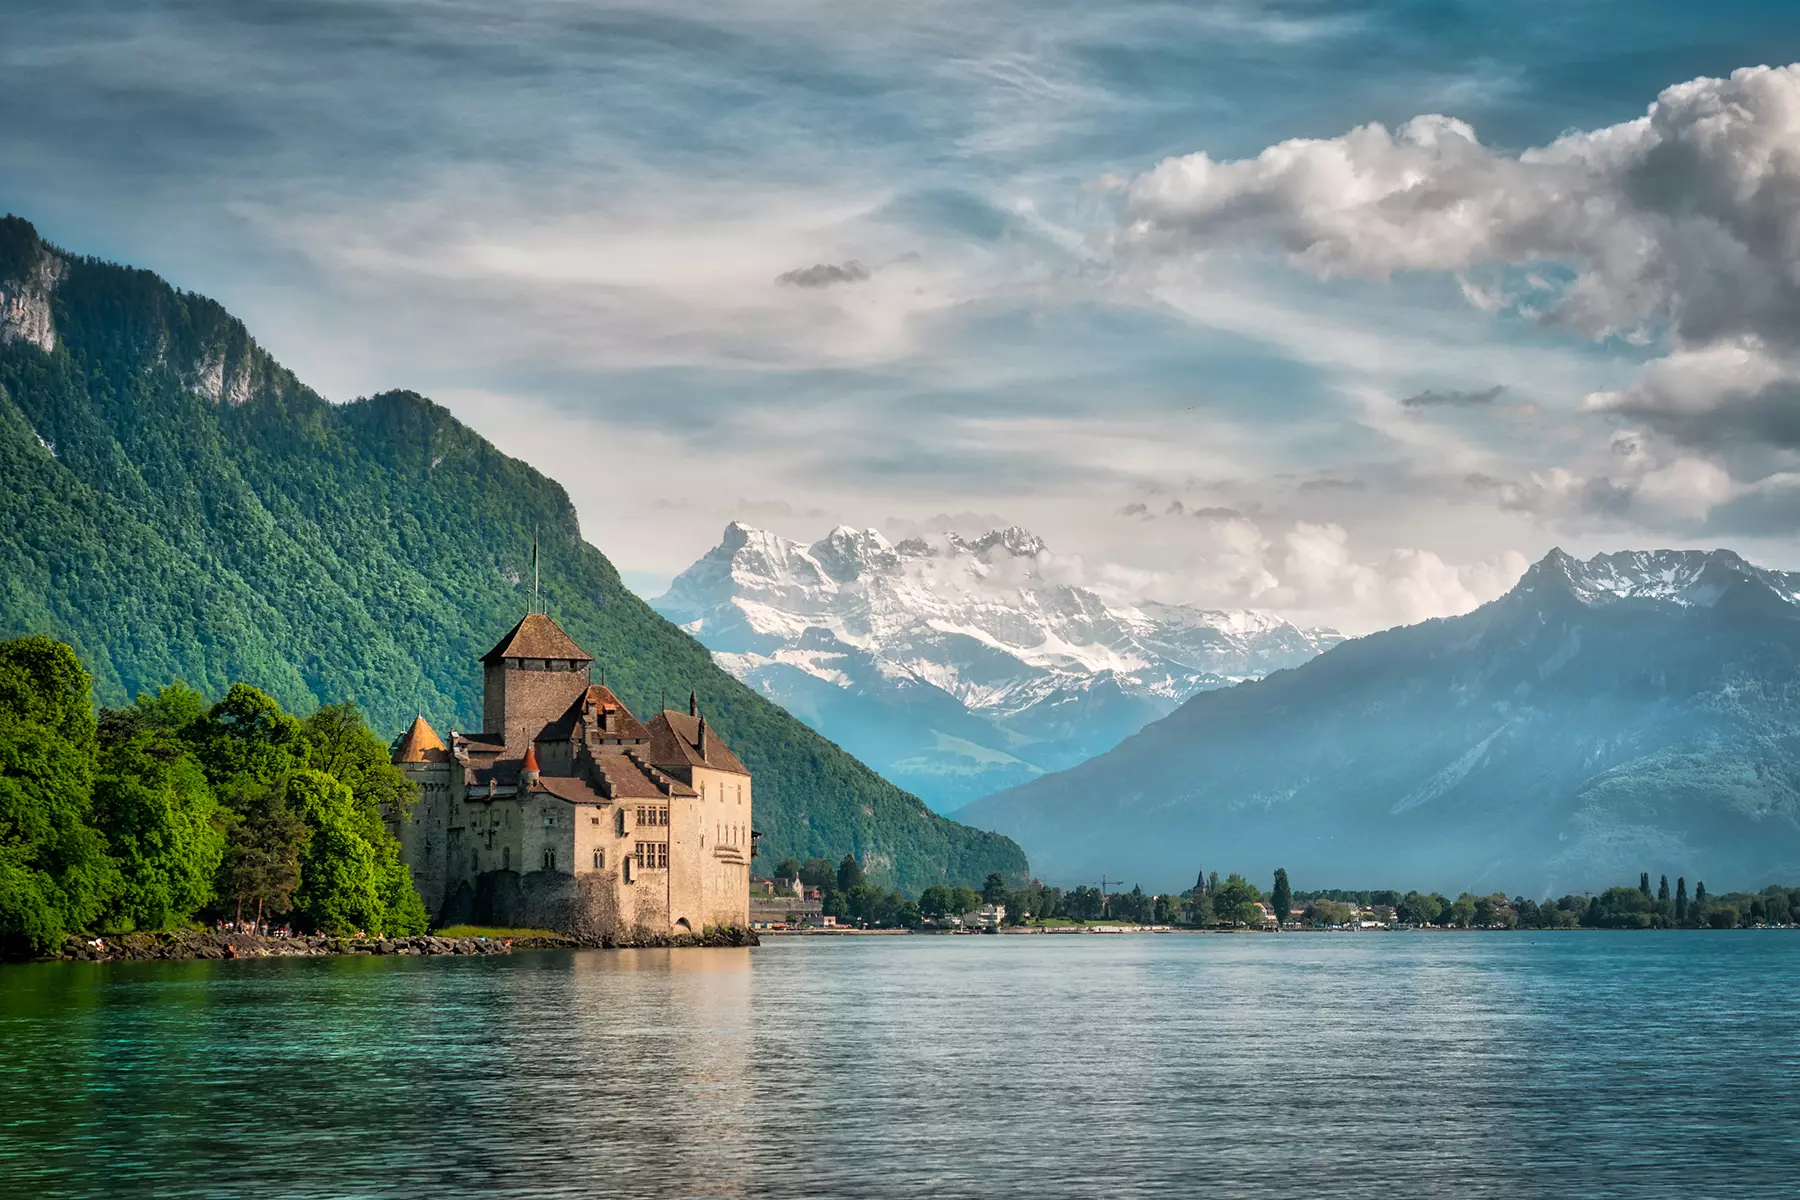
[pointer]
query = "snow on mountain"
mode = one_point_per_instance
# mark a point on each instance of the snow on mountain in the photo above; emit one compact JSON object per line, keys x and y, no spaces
{"x":959,"y":665}
{"x":1634,"y":711}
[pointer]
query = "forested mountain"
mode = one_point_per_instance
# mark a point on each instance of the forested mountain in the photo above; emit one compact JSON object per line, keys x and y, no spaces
{"x":1635,"y":711}
{"x":957,"y":666}
{"x":179,"y":506}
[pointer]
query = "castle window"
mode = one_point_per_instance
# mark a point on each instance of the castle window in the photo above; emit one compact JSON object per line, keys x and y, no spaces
{"x":599,"y":860}
{"x":549,"y":860}
{"x":596,"y":820}
{"x":653,"y":856}
{"x":549,"y":819}
{"x":619,"y":820}
{"x":506,"y":858}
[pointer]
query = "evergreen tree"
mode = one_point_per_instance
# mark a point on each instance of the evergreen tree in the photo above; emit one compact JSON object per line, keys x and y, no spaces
{"x":1644,"y":882}
{"x":1281,"y":896}
{"x":1699,"y":907}
{"x":1681,"y":900}
{"x":993,"y":890}
{"x":850,"y":874}
{"x":1662,"y":889}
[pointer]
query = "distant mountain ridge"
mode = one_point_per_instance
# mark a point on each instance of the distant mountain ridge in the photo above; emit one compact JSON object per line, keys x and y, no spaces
{"x":955,"y":665}
{"x":1634,"y":711}
{"x":179,"y":506}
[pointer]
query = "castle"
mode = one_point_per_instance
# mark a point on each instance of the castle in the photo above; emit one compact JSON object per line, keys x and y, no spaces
{"x":569,"y":812}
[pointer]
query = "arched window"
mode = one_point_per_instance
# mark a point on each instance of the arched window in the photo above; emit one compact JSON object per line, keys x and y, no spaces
{"x":599,"y":860}
{"x":549,"y":860}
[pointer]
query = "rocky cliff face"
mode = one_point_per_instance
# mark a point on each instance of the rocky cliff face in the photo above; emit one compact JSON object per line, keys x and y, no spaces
{"x":1636,"y":711}
{"x":958,"y":665}
{"x":25,"y":298}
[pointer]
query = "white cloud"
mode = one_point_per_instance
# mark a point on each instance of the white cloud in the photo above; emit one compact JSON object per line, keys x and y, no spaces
{"x":1680,"y":229}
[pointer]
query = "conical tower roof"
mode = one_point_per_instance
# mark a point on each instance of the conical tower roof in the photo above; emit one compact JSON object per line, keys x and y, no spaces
{"x":421,"y":744}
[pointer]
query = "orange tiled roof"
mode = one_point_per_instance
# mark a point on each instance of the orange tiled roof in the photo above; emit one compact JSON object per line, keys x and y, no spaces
{"x":421,"y":744}
{"x":536,"y":636}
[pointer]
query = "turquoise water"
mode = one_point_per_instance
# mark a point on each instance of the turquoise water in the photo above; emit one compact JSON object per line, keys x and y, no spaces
{"x":1575,"y":1064}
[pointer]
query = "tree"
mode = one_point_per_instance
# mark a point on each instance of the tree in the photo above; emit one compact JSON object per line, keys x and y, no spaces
{"x":1281,"y":896}
{"x":1681,"y":900}
{"x":1662,"y":889}
{"x":153,"y":803}
{"x":1235,"y":900}
{"x":1644,"y":883}
{"x":964,"y":900}
{"x":1462,"y":912}
{"x":1327,"y":912}
{"x":850,"y":874}
{"x":55,"y":874}
{"x":934,"y":902}
{"x":787,"y":868}
{"x":993,"y":889}
{"x":337,"y":742}
{"x":340,"y":886}
{"x":818,"y":873}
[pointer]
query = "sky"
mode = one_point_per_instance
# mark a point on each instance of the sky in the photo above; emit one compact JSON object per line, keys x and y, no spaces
{"x":1342,"y":311}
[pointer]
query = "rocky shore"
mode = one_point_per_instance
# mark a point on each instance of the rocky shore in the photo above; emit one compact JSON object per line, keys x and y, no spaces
{"x":211,"y":944}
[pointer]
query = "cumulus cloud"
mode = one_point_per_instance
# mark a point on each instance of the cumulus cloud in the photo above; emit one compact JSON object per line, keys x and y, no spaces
{"x":1450,"y":398}
{"x":1678,"y":231}
{"x":824,"y":275}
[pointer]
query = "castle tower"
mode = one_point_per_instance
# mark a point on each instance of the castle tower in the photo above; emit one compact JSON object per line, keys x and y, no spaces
{"x":423,"y":758}
{"x":531,"y":678}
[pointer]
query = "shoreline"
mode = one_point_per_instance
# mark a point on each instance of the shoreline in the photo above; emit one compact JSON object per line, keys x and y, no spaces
{"x":188,"y":945}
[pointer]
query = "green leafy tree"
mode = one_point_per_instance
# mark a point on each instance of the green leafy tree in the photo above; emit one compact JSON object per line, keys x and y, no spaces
{"x":964,"y":900}
{"x":1327,"y":912}
{"x":1644,"y":883}
{"x":1234,"y":901}
{"x":153,"y":803}
{"x":1681,"y":901}
{"x":340,"y":880}
{"x":1281,"y":896}
{"x":55,"y":873}
{"x":1662,"y":889}
{"x":818,"y":873}
{"x":934,"y":902}
{"x":787,"y":868}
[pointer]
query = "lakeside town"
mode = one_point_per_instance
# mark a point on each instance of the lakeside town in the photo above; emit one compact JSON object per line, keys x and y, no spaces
{"x":816,"y":898}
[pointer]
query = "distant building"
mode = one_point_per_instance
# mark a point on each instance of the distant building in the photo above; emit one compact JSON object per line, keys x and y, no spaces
{"x":988,"y":916}
{"x":569,"y":812}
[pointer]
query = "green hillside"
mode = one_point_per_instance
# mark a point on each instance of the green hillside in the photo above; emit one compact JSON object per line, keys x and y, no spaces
{"x":179,"y":506}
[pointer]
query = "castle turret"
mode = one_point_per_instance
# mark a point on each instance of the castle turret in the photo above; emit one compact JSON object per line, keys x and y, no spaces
{"x":424,"y":835}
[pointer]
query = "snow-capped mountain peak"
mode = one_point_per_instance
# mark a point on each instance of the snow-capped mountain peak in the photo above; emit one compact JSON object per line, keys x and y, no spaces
{"x":1691,"y":578}
{"x":1032,"y":672}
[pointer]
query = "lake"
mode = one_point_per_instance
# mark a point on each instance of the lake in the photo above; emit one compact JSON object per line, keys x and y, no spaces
{"x":1407,"y":1064}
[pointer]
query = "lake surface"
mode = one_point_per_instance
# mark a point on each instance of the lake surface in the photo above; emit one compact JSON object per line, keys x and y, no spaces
{"x":1467,"y":1065}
